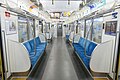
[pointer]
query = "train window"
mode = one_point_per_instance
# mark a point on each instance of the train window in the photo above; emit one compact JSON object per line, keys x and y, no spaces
{"x":97,"y":30}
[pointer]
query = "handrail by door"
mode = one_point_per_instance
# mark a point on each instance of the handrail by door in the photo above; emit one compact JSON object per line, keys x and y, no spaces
{"x":4,"y":41}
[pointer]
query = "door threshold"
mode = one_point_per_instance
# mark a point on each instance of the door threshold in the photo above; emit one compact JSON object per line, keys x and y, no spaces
{"x":101,"y":78}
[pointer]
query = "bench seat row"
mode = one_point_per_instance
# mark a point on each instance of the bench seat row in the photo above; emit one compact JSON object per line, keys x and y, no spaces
{"x":35,"y":49}
{"x":80,"y":49}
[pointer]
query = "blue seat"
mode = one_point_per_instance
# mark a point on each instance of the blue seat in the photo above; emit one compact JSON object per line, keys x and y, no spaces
{"x":28,"y":47}
{"x":91,"y":48}
{"x":32,"y":43}
{"x":35,"y":49}
{"x":84,"y":52}
{"x":67,"y":37}
{"x":37,"y":40}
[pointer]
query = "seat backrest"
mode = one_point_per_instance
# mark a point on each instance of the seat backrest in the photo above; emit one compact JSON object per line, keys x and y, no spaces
{"x":37,"y":40}
{"x":87,"y":42}
{"x":91,"y":47}
{"x":82,"y":42}
{"x":32,"y":43}
{"x":27,"y":45}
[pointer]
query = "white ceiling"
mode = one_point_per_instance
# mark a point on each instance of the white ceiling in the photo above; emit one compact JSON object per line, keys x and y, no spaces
{"x":60,"y":6}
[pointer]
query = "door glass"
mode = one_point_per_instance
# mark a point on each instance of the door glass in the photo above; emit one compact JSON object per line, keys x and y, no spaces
{"x":88,"y":31}
{"x":22,"y":29}
{"x":97,"y":30}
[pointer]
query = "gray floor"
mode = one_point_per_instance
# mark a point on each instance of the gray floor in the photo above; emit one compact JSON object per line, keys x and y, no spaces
{"x":59,"y":65}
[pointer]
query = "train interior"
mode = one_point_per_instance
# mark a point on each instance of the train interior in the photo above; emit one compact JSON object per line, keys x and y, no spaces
{"x":60,"y":40}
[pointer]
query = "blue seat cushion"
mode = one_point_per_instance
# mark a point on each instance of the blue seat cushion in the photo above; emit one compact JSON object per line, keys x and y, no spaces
{"x":34,"y":60}
{"x":28,"y":47}
{"x":75,"y":45}
{"x":35,"y":57}
{"x":37,"y":40}
{"x":32,"y":43}
{"x":85,"y":59}
{"x":33,"y":53}
{"x":42,"y":45}
{"x":78,"y":47}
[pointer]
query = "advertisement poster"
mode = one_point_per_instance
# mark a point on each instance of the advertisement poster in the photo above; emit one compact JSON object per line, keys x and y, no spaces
{"x":10,"y":27}
{"x":111,"y":28}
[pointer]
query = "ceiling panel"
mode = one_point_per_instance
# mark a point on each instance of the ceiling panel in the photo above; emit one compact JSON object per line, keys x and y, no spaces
{"x":60,"y":6}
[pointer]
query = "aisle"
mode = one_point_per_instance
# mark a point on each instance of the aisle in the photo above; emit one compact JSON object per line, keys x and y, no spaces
{"x":59,"y":65}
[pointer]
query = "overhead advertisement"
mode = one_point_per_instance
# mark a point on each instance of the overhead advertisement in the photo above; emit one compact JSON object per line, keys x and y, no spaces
{"x":97,"y":4}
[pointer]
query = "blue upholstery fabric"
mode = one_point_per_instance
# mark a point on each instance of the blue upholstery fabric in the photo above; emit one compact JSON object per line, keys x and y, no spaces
{"x":91,"y":48}
{"x":82,"y":42}
{"x":80,"y":50}
{"x":28,"y":47}
{"x":37,"y":40}
{"x":87,"y":45}
{"x":67,"y":37}
{"x":33,"y":46}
